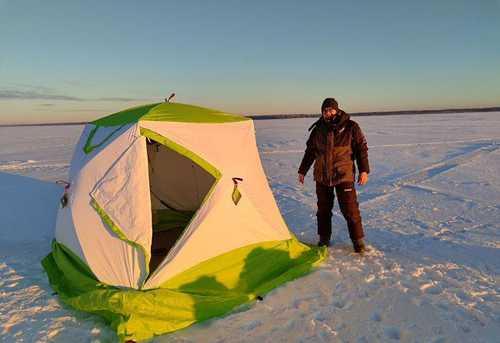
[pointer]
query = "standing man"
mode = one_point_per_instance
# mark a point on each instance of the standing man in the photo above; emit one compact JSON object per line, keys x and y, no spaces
{"x":335,"y":143}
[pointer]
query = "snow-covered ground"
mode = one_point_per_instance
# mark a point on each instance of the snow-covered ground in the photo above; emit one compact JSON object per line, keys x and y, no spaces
{"x":431,"y":213}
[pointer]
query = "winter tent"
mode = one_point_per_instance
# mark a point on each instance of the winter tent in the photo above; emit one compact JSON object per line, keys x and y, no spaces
{"x":168,"y":220}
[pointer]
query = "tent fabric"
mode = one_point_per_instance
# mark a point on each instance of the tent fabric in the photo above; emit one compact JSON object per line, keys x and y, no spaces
{"x":170,"y":112}
{"x":167,"y":219}
{"x":212,"y":288}
{"x":82,"y":229}
{"x":90,"y":144}
{"x":256,"y":218}
{"x":163,"y":112}
{"x":232,"y":148}
{"x":122,"y":201}
{"x":213,"y":254}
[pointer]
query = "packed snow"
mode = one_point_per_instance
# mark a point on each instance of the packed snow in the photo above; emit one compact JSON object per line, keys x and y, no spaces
{"x":431,"y":213}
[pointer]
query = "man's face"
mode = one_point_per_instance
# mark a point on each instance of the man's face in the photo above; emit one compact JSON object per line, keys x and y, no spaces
{"x":329,"y":113}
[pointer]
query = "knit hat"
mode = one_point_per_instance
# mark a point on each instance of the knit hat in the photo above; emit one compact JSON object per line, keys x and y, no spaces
{"x":329,"y":102}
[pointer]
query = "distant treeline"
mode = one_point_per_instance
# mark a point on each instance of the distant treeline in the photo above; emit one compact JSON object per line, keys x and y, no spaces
{"x":314,"y":115}
{"x":384,"y":113}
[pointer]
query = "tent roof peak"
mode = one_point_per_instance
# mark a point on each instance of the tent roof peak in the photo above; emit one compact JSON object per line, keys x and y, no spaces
{"x":169,"y":112}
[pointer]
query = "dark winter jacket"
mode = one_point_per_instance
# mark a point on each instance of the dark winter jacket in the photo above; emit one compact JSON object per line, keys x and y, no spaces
{"x":334,"y":146}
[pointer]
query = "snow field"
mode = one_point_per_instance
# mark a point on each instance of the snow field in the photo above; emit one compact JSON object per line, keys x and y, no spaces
{"x":431,"y":214}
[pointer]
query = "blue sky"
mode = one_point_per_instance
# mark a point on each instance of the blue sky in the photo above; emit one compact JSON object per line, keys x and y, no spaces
{"x":72,"y":61}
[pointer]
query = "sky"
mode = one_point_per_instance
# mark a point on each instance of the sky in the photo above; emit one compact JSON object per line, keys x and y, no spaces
{"x":66,"y":61}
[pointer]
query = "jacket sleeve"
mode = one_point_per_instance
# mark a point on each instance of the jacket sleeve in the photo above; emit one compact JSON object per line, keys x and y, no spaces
{"x":309,"y":154}
{"x":360,"y":149}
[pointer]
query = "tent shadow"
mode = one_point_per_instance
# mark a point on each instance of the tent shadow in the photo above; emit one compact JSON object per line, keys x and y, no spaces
{"x":28,"y":208}
{"x":263,"y":270}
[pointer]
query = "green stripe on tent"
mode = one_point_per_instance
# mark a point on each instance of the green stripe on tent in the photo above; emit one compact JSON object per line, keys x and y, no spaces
{"x":121,"y":235}
{"x":89,"y":147}
{"x":177,"y":112}
{"x":183,"y":151}
{"x":210,"y":289}
{"x":172,"y":112}
{"x":64,"y":268}
{"x":130,"y":115}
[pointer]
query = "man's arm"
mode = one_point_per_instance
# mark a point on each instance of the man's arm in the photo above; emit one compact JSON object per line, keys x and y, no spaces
{"x":360,"y":150}
{"x":309,"y":154}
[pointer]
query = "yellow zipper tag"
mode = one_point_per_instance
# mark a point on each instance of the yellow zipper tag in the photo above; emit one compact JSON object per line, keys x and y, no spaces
{"x":236,"y":192}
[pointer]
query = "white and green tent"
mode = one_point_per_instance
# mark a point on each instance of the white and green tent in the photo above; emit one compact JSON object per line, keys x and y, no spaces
{"x":168,"y":220}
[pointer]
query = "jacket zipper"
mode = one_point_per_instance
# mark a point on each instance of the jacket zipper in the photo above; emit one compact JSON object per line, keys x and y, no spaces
{"x":329,"y":158}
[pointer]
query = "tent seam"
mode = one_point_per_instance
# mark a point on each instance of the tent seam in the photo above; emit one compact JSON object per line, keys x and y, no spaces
{"x":122,"y":236}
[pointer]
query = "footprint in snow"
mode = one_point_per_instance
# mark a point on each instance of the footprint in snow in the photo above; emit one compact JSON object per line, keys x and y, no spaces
{"x":376,"y":317}
{"x":320,"y":316}
{"x":342,"y":304}
{"x":251,"y":325}
{"x":430,"y":288}
{"x":392,"y":333}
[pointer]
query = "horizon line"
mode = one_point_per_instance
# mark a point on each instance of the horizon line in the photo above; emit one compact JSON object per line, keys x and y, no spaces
{"x":307,"y":115}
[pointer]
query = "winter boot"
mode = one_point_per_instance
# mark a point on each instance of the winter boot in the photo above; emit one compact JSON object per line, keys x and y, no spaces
{"x":324,"y":241}
{"x":359,"y":246}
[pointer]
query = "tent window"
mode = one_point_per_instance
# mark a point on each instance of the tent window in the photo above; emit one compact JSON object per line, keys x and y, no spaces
{"x":178,"y":186}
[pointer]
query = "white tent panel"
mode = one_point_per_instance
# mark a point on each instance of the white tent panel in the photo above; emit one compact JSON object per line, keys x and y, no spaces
{"x":112,"y":260}
{"x":224,"y":145}
{"x":65,"y":231}
{"x":257,"y":189}
{"x":102,"y":140}
{"x":124,"y":194}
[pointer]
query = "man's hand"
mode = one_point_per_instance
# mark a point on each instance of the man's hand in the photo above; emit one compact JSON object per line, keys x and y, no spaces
{"x":301,"y":178}
{"x":362,"y":178}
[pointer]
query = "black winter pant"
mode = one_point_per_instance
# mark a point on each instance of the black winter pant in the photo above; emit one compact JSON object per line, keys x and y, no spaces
{"x":348,"y":203}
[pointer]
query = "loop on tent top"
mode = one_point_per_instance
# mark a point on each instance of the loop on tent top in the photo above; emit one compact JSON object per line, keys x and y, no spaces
{"x":170,"y":97}
{"x":65,"y":183}
{"x":236,"y":179}
{"x":64,"y":198}
{"x":236,"y":192}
